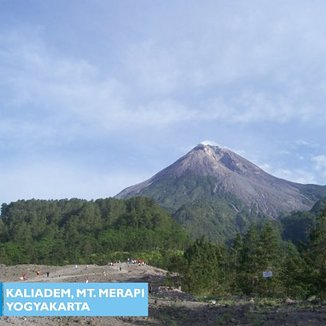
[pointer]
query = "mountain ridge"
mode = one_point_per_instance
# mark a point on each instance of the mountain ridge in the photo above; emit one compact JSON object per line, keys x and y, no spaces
{"x":213,"y":176}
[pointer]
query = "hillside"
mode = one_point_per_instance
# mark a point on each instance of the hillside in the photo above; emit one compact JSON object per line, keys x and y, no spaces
{"x":79,"y":231}
{"x":214,"y":191}
{"x":298,"y":225}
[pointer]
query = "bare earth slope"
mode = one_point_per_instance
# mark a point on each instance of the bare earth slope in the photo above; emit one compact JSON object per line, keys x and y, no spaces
{"x":226,"y":174}
{"x":167,"y":306}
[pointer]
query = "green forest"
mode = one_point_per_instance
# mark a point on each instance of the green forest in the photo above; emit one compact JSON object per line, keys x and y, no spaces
{"x":210,"y":269}
{"x":79,"y":231}
{"x":58,"y":232}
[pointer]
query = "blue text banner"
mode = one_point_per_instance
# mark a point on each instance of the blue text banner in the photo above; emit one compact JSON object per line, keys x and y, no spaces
{"x":74,"y":299}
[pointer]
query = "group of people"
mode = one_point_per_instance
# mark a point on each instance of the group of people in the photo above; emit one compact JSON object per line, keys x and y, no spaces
{"x":38,"y":273}
{"x":140,"y":262}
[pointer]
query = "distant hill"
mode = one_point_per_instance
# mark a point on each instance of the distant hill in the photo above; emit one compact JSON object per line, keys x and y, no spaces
{"x":297,"y":226}
{"x":215,"y":192}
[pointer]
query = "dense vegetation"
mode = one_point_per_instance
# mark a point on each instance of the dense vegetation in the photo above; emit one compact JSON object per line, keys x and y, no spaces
{"x":298,"y":225}
{"x":80,"y":231}
{"x":210,"y":269}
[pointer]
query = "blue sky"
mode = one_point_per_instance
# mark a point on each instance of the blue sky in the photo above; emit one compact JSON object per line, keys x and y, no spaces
{"x":98,"y":95}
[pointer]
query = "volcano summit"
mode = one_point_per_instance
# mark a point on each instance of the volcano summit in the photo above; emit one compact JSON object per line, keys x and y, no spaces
{"x":214,"y":191}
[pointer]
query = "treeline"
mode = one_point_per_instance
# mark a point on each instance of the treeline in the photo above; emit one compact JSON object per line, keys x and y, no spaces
{"x":80,"y":231}
{"x":210,"y":269}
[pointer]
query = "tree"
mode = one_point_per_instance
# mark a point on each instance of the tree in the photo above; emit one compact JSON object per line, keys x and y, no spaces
{"x":294,"y":273}
{"x":317,"y":256}
{"x":260,"y":251}
{"x":204,"y":268}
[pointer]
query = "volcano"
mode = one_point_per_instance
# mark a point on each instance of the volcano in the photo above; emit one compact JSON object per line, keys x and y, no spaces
{"x":214,"y":191}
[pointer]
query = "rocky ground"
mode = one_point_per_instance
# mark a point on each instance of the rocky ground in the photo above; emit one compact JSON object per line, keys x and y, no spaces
{"x":167,"y":306}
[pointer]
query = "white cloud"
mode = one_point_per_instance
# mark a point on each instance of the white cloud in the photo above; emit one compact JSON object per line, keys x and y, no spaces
{"x":156,"y":76}
{"x":302,"y":142}
{"x":248,"y":65}
{"x":70,"y":95}
{"x":250,"y":74}
{"x":320,"y":163}
{"x":211,"y":142}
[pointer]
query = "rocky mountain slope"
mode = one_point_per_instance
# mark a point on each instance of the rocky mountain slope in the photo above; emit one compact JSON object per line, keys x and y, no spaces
{"x":214,"y":191}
